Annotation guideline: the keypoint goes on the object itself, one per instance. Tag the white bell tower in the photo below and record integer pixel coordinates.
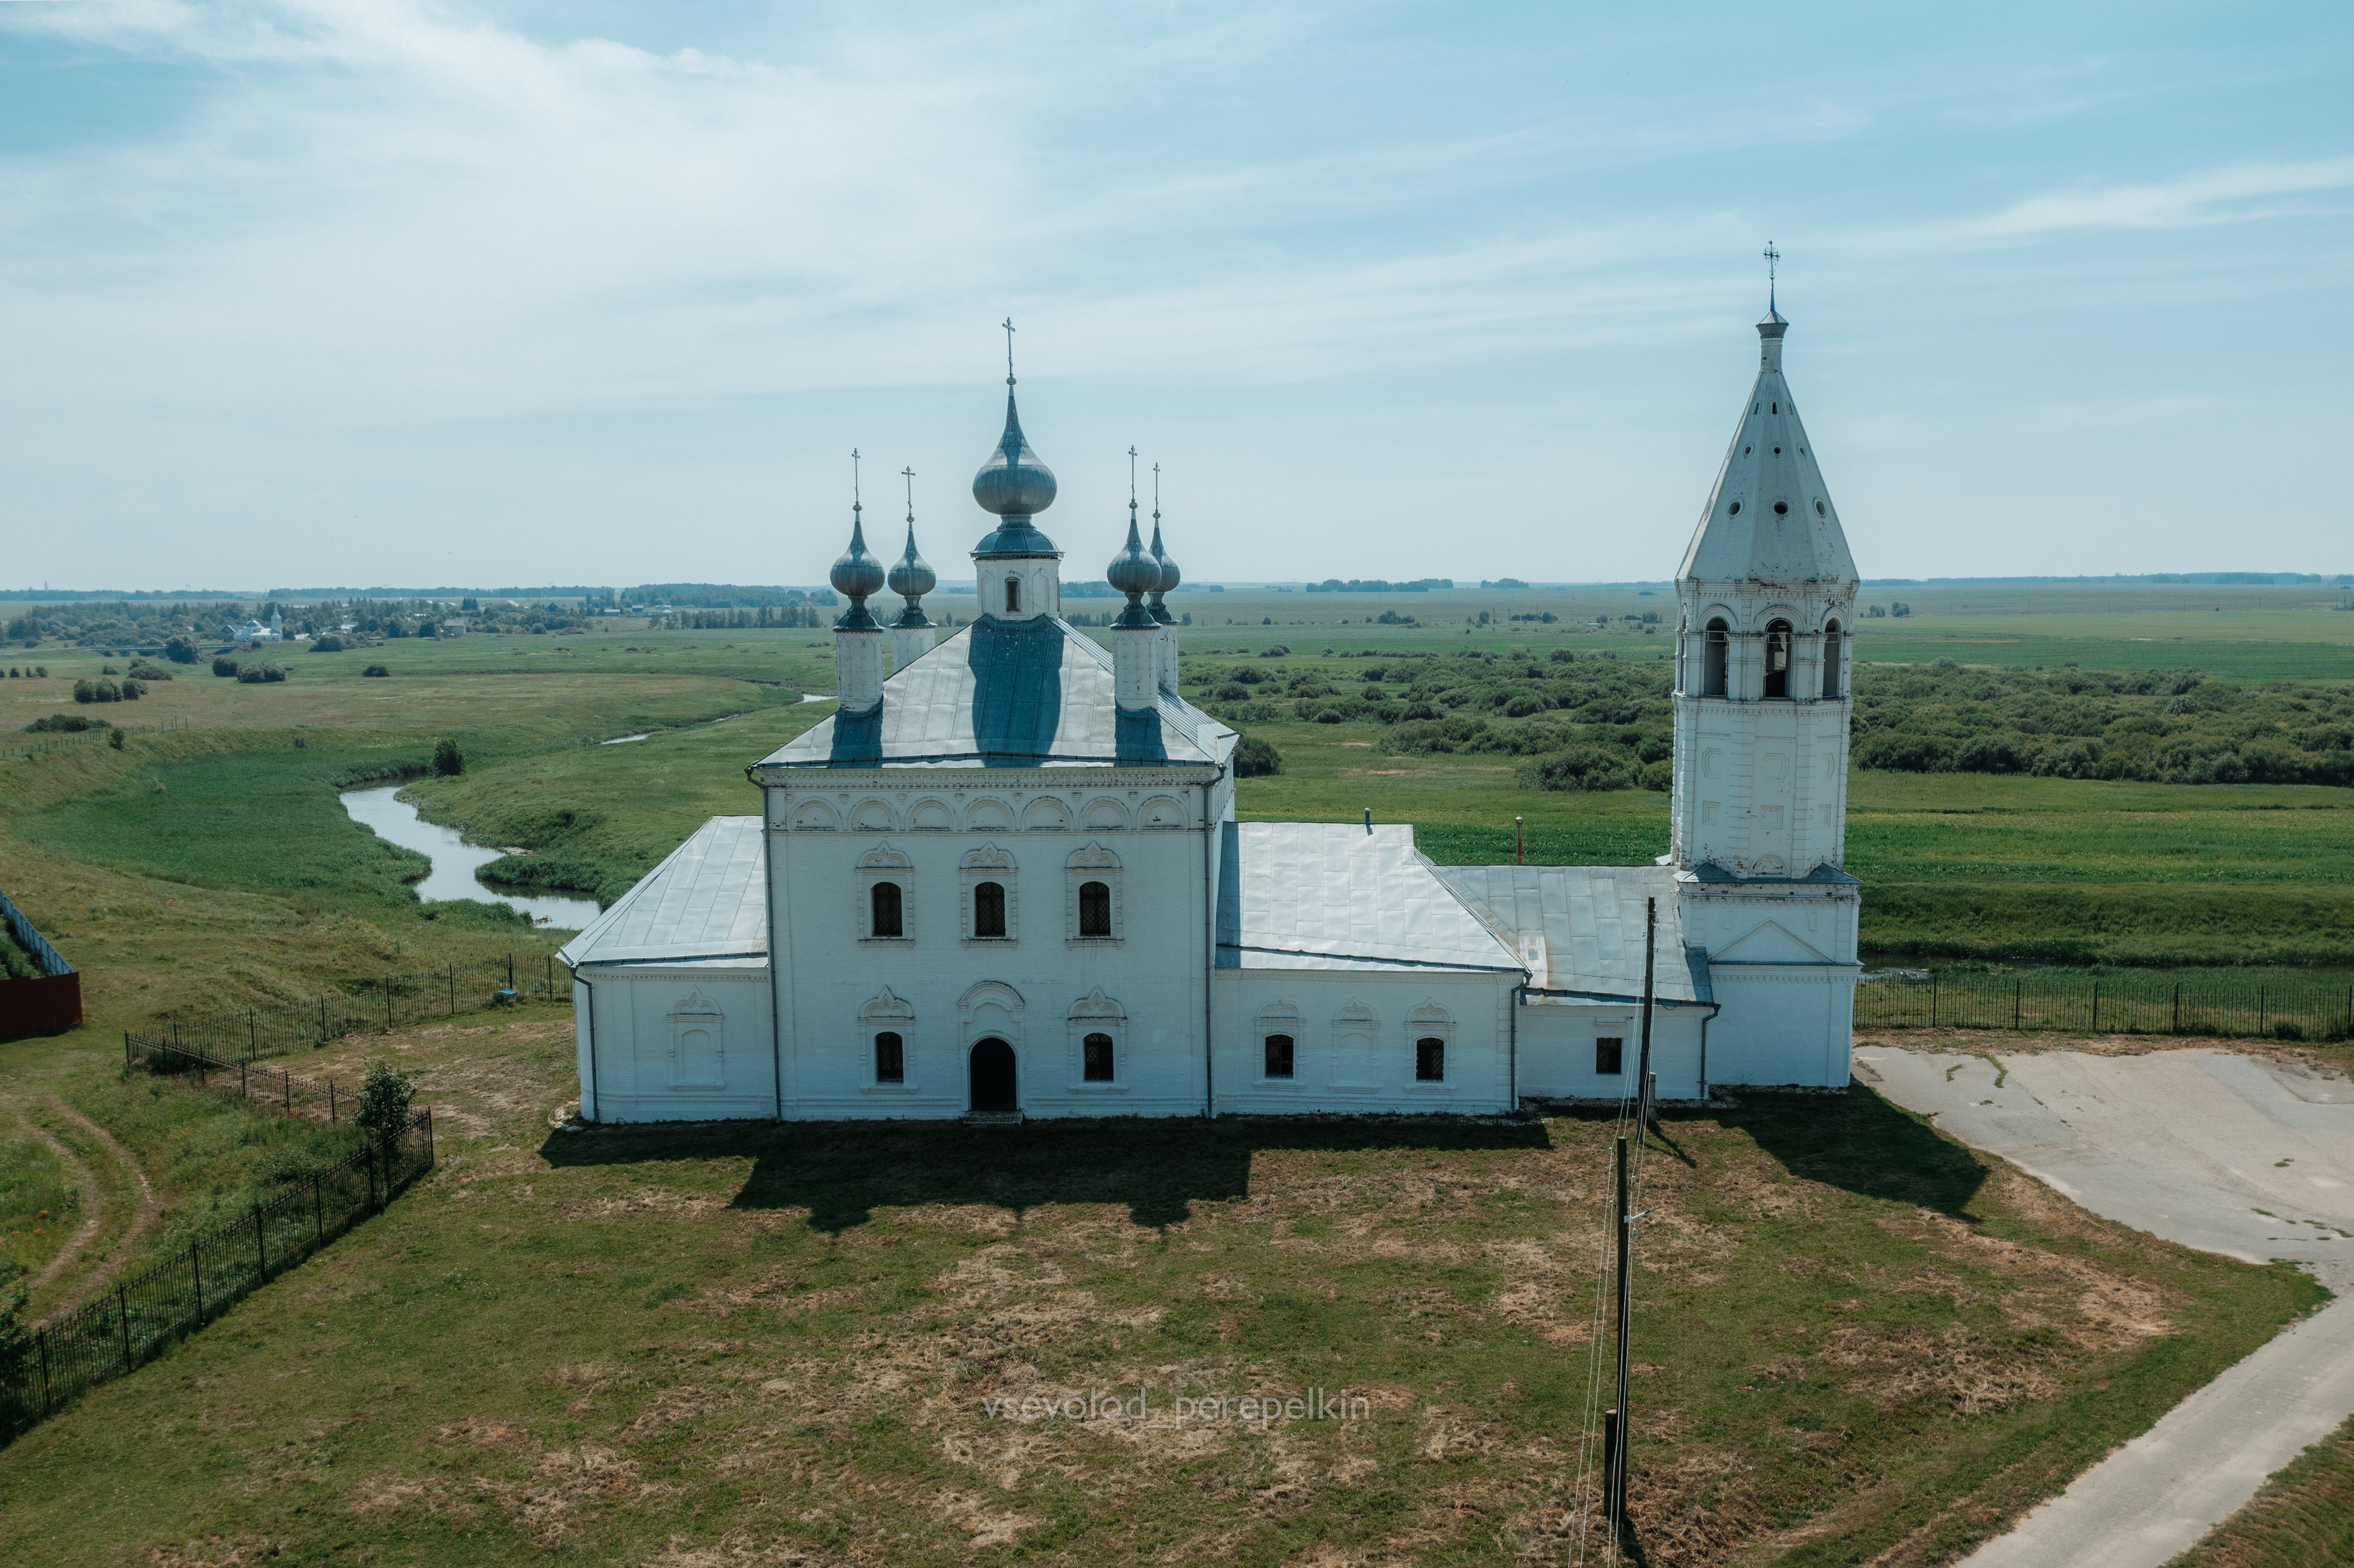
(1767, 600)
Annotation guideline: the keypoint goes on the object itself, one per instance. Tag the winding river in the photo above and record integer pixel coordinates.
(454, 860)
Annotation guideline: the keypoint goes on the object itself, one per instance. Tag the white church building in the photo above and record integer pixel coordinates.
(1007, 877)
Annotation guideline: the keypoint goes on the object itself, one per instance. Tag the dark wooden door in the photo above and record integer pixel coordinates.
(992, 1075)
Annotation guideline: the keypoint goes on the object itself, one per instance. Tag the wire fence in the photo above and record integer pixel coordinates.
(246, 1034)
(2113, 1003)
(143, 1316)
(100, 733)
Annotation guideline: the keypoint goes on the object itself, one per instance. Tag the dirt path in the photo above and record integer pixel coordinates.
(94, 1206)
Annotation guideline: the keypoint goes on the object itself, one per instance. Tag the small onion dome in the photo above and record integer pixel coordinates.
(855, 575)
(1134, 573)
(1170, 578)
(1015, 486)
(913, 577)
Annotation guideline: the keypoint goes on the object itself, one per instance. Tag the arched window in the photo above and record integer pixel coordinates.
(1831, 654)
(1278, 1055)
(1013, 594)
(885, 901)
(1778, 659)
(1095, 909)
(1711, 678)
(989, 909)
(1429, 1060)
(1095, 1063)
(890, 1058)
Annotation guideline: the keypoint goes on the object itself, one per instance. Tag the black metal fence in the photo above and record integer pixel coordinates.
(366, 1007)
(2113, 1004)
(271, 1087)
(140, 1317)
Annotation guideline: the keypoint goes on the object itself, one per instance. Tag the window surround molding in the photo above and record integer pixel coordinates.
(1090, 863)
(1431, 1022)
(894, 1014)
(1348, 1022)
(1277, 1018)
(692, 1014)
(884, 864)
(1096, 1013)
(989, 863)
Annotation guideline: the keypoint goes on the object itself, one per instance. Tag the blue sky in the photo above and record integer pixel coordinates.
(605, 293)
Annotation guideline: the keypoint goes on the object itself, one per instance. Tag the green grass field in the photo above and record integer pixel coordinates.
(790, 1334)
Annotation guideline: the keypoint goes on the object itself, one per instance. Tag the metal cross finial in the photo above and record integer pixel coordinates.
(910, 474)
(1773, 263)
(1156, 493)
(1008, 325)
(855, 505)
(1132, 484)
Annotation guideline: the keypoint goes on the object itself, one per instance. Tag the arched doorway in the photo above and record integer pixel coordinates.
(992, 1075)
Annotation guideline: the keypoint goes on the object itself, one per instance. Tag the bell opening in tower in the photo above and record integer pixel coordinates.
(1778, 659)
(1713, 660)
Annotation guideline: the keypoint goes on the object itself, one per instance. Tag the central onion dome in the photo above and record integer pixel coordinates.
(1016, 486)
(856, 574)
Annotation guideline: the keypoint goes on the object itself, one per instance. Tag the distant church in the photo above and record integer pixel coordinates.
(1008, 878)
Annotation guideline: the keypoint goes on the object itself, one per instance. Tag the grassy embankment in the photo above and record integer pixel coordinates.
(1853, 1337)
(2303, 1517)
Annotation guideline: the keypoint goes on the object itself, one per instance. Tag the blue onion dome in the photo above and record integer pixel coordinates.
(1170, 575)
(856, 574)
(1016, 486)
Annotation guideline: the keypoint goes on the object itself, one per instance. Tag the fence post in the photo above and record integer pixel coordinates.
(260, 1247)
(41, 1338)
(241, 1087)
(2178, 1007)
(122, 1305)
(252, 1041)
(331, 1102)
(196, 1267)
(2260, 1009)
(2018, 996)
(2096, 1007)
(318, 1209)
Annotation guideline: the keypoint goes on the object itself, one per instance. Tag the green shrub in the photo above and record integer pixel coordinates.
(385, 1095)
(224, 665)
(180, 650)
(64, 724)
(133, 690)
(376, 669)
(115, 738)
(330, 643)
(448, 760)
(85, 691)
(254, 675)
(1255, 759)
(1580, 768)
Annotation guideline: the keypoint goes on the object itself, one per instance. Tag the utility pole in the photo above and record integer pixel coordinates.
(1519, 842)
(1614, 1424)
(1643, 1063)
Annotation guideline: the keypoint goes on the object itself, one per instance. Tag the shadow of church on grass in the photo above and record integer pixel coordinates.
(1855, 1140)
(843, 1172)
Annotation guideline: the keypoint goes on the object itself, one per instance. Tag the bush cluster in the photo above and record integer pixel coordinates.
(2170, 727)
(105, 691)
(64, 724)
(30, 672)
(254, 675)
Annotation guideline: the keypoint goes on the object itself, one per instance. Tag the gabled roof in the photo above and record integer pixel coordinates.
(1331, 896)
(1009, 693)
(1579, 928)
(1741, 537)
(707, 900)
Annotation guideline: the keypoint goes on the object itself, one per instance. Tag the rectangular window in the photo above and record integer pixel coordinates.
(884, 906)
(1608, 1050)
(1095, 909)
(1429, 1060)
(1096, 1058)
(1278, 1055)
(989, 909)
(890, 1058)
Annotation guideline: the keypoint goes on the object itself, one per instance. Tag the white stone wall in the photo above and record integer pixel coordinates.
(1782, 1025)
(1354, 1034)
(857, 669)
(1760, 784)
(674, 1042)
(1040, 833)
(1041, 586)
(1557, 1048)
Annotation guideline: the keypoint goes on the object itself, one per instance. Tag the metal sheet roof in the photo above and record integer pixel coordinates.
(1580, 927)
(1009, 693)
(708, 900)
(1332, 895)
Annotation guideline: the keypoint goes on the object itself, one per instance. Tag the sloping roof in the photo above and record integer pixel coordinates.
(708, 900)
(1332, 895)
(1579, 928)
(1741, 537)
(1009, 693)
